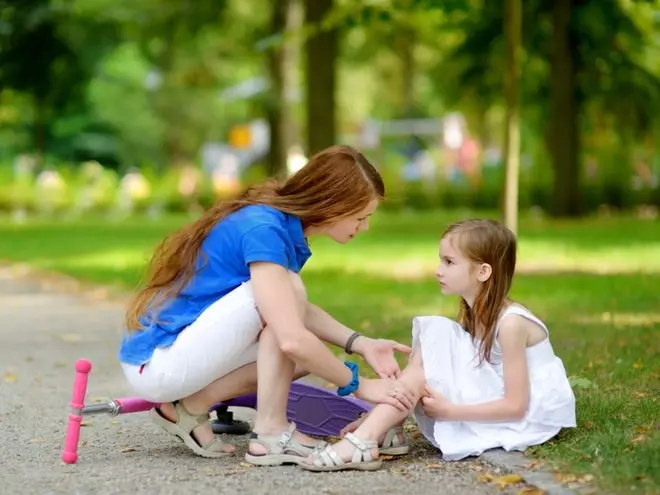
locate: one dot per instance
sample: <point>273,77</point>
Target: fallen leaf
<point>642,429</point>
<point>638,439</point>
<point>86,423</point>
<point>10,376</point>
<point>565,478</point>
<point>246,465</point>
<point>532,490</point>
<point>485,477</point>
<point>507,479</point>
<point>129,449</point>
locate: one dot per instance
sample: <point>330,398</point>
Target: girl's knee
<point>413,377</point>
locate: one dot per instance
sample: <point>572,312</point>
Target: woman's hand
<point>383,391</point>
<point>436,406</point>
<point>379,354</point>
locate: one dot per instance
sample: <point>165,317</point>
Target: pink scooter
<point>317,411</point>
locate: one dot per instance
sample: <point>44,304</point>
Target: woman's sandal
<point>183,428</point>
<point>393,443</point>
<point>325,460</point>
<point>280,449</point>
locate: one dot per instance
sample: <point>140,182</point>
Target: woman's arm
<point>326,328</point>
<point>282,312</point>
<point>513,406</point>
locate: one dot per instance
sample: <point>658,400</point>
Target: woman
<point>224,311</point>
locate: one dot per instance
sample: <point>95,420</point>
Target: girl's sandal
<point>328,460</point>
<point>394,442</point>
<point>280,449</point>
<point>183,428</point>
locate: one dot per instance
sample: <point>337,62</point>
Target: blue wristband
<point>354,384</point>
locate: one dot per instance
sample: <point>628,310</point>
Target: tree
<point>282,67</point>
<point>512,32</point>
<point>593,51</point>
<point>321,53</point>
<point>36,60</point>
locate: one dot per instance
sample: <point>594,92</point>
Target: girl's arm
<point>513,406</point>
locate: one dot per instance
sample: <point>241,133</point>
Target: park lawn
<point>595,282</point>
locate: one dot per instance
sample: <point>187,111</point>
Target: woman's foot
<point>256,448</point>
<point>202,434</point>
<point>275,448</point>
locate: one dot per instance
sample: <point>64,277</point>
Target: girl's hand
<point>436,406</point>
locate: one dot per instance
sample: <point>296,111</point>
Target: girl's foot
<point>392,442</point>
<point>351,453</point>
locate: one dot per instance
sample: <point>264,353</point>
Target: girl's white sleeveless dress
<point>451,366</point>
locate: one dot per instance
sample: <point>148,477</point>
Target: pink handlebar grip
<point>133,404</point>
<point>70,453</point>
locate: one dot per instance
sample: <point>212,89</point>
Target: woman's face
<point>344,230</point>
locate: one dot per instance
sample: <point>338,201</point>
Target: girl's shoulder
<point>516,316</point>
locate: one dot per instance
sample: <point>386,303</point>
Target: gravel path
<point>43,332</point>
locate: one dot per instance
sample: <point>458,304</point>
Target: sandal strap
<point>188,422</point>
<point>392,438</point>
<point>284,443</point>
<point>327,457</point>
<point>362,448</point>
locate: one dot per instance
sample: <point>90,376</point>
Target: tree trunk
<point>277,152</point>
<point>321,50</point>
<point>406,41</point>
<point>512,33</point>
<point>282,65</point>
<point>564,114</point>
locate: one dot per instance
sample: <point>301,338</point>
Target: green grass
<point>595,282</point>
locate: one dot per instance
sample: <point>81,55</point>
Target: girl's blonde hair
<point>485,241</point>
<point>336,183</point>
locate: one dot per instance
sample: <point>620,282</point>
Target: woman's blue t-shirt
<point>253,233</point>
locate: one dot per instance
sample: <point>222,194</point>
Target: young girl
<point>489,380</point>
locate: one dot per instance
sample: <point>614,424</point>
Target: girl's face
<point>457,275</point>
<point>347,228</point>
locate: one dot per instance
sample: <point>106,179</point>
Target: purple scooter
<point>316,411</point>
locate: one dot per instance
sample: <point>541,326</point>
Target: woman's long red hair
<point>337,182</point>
